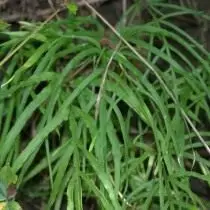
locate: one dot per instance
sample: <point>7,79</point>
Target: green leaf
<point>73,8</point>
<point>7,176</point>
<point>3,192</point>
<point>12,205</point>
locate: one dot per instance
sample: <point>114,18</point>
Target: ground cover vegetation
<point>95,117</point>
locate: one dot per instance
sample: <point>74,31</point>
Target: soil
<point>13,11</point>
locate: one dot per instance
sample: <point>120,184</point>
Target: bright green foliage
<point>7,179</point>
<point>7,175</point>
<point>72,8</point>
<point>119,133</point>
<point>11,205</point>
